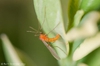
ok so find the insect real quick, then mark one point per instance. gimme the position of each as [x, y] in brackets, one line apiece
[45, 39]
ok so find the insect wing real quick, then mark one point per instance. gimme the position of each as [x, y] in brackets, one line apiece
[51, 50]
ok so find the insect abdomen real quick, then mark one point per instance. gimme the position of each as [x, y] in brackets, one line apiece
[52, 39]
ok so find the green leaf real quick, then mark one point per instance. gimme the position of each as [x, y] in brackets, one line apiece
[72, 8]
[49, 14]
[9, 51]
[77, 17]
[89, 5]
[12, 56]
[93, 59]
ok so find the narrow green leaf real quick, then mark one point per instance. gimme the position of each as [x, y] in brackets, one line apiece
[77, 17]
[89, 5]
[10, 52]
[14, 56]
[73, 6]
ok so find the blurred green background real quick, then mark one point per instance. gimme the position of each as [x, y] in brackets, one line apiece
[15, 18]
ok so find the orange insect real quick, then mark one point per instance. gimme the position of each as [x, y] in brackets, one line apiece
[45, 39]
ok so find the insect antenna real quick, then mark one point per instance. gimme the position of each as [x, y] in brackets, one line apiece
[40, 27]
[34, 31]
